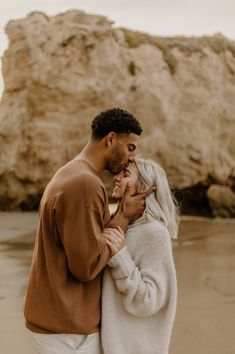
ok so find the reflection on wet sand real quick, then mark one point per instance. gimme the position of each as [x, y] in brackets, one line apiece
[205, 263]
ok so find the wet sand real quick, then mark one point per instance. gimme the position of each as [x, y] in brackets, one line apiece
[205, 264]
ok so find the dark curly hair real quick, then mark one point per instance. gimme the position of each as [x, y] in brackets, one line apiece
[114, 120]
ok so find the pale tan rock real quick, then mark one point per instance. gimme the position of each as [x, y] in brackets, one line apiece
[59, 72]
[222, 200]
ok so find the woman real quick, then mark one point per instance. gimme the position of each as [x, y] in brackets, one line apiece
[139, 286]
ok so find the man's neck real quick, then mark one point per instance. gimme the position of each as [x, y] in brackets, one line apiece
[93, 154]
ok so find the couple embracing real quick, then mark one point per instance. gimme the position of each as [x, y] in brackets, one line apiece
[102, 283]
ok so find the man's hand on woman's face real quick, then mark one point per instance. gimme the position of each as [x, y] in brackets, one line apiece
[133, 206]
[114, 237]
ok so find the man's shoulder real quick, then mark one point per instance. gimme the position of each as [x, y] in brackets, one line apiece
[77, 185]
[89, 182]
[78, 172]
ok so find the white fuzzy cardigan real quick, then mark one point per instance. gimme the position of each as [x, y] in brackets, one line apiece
[139, 293]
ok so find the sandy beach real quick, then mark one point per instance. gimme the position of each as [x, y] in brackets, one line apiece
[205, 264]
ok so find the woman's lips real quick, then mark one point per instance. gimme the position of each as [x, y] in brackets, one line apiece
[116, 188]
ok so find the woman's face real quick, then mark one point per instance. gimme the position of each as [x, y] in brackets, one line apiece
[129, 175]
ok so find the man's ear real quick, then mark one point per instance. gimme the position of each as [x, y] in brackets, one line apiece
[110, 139]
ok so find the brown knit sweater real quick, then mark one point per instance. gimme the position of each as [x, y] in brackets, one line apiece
[64, 289]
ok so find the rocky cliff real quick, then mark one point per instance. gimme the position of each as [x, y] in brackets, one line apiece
[59, 72]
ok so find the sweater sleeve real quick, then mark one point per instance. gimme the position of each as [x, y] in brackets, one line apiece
[80, 221]
[144, 288]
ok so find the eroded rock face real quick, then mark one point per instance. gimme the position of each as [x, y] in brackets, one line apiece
[222, 200]
[59, 72]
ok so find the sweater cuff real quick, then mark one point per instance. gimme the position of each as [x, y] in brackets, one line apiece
[122, 264]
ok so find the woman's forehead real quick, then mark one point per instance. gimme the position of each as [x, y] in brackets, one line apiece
[132, 169]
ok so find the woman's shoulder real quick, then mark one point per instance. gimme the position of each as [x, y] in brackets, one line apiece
[153, 233]
[155, 227]
[153, 243]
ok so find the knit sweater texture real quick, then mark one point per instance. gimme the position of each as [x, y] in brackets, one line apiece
[139, 293]
[64, 289]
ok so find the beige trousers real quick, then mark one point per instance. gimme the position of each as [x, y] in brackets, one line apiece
[66, 343]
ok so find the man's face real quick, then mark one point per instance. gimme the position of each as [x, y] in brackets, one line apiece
[122, 152]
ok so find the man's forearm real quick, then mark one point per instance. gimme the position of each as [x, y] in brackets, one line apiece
[119, 219]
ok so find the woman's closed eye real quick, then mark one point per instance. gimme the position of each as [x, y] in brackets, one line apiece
[126, 173]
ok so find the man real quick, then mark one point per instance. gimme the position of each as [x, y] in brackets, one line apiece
[62, 306]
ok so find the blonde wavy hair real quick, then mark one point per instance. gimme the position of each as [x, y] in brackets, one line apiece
[160, 205]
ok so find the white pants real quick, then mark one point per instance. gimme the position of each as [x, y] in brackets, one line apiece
[66, 343]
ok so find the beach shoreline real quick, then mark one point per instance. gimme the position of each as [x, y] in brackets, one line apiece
[205, 263]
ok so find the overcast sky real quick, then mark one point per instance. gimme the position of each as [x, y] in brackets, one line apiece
[159, 17]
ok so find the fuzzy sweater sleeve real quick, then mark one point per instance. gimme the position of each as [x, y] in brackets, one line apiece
[145, 287]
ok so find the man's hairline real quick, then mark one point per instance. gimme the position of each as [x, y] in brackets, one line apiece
[117, 133]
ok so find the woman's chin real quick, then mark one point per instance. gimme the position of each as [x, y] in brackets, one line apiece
[116, 195]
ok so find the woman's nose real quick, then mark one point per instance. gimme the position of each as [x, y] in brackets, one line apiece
[116, 178]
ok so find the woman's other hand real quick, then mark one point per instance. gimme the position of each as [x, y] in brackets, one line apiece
[114, 237]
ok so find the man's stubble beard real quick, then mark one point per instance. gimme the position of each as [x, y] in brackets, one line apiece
[115, 166]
